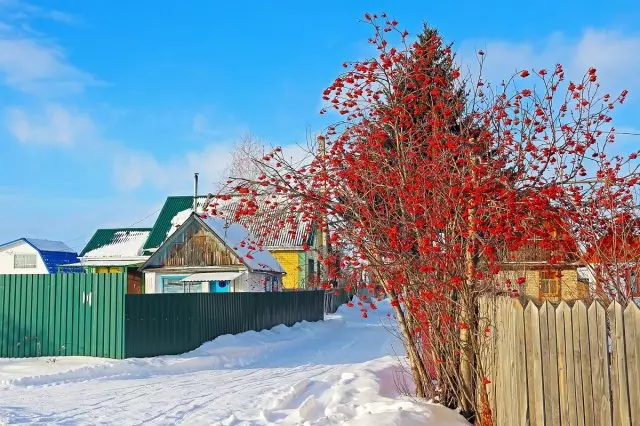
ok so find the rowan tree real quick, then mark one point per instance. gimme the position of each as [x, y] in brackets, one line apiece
[429, 182]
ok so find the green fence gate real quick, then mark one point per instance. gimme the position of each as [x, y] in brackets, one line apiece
[62, 314]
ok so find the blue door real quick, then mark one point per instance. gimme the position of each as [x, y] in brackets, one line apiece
[219, 286]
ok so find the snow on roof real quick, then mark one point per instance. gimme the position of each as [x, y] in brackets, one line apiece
[53, 253]
[110, 262]
[48, 245]
[277, 228]
[239, 239]
[181, 218]
[123, 244]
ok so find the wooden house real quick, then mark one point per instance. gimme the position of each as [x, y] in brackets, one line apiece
[211, 255]
[550, 274]
[296, 246]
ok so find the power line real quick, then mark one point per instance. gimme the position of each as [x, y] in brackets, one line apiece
[130, 226]
[145, 218]
[626, 133]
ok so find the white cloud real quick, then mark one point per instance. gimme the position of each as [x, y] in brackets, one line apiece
[138, 169]
[38, 68]
[32, 63]
[611, 52]
[66, 18]
[135, 169]
[54, 125]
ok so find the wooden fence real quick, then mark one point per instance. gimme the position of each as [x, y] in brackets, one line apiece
[563, 365]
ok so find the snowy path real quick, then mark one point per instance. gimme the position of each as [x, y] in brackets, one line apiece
[341, 371]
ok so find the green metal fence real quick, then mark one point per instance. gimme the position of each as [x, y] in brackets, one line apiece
[91, 315]
[165, 324]
[62, 314]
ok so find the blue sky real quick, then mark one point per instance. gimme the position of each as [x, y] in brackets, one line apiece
[106, 107]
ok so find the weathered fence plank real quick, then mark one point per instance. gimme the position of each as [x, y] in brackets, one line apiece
[565, 385]
[619, 384]
[549, 364]
[600, 364]
[520, 368]
[632, 344]
[581, 343]
[534, 365]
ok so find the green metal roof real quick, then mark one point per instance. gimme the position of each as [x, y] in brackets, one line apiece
[173, 206]
[103, 237]
[176, 204]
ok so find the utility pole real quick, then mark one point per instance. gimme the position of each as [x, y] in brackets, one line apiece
[322, 150]
[195, 192]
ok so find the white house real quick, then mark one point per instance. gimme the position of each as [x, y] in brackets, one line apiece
[210, 255]
[34, 256]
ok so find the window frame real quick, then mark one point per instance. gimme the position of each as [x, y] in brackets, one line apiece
[542, 280]
[25, 265]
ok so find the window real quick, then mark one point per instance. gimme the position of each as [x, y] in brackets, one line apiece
[311, 264]
[549, 283]
[24, 261]
[174, 285]
[108, 270]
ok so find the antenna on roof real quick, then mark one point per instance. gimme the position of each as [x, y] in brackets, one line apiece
[195, 192]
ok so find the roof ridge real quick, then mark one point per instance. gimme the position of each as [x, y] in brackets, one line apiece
[124, 229]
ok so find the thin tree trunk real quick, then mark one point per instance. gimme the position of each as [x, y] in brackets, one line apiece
[467, 315]
[418, 370]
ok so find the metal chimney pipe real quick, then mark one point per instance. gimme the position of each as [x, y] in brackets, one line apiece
[195, 192]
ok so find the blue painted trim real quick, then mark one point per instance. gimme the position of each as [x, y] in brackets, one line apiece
[20, 239]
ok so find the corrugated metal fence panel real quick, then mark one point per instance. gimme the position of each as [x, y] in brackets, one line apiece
[169, 324]
[62, 314]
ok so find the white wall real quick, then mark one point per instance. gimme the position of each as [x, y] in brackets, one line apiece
[247, 282]
[150, 283]
[153, 281]
[7, 259]
[254, 282]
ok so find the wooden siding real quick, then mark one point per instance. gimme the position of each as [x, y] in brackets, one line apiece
[195, 246]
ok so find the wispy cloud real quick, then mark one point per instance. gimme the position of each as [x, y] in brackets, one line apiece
[32, 63]
[20, 11]
[609, 51]
[135, 169]
[54, 125]
[38, 68]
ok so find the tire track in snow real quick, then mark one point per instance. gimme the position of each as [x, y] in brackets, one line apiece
[199, 395]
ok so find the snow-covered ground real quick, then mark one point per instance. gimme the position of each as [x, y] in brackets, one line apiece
[341, 371]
